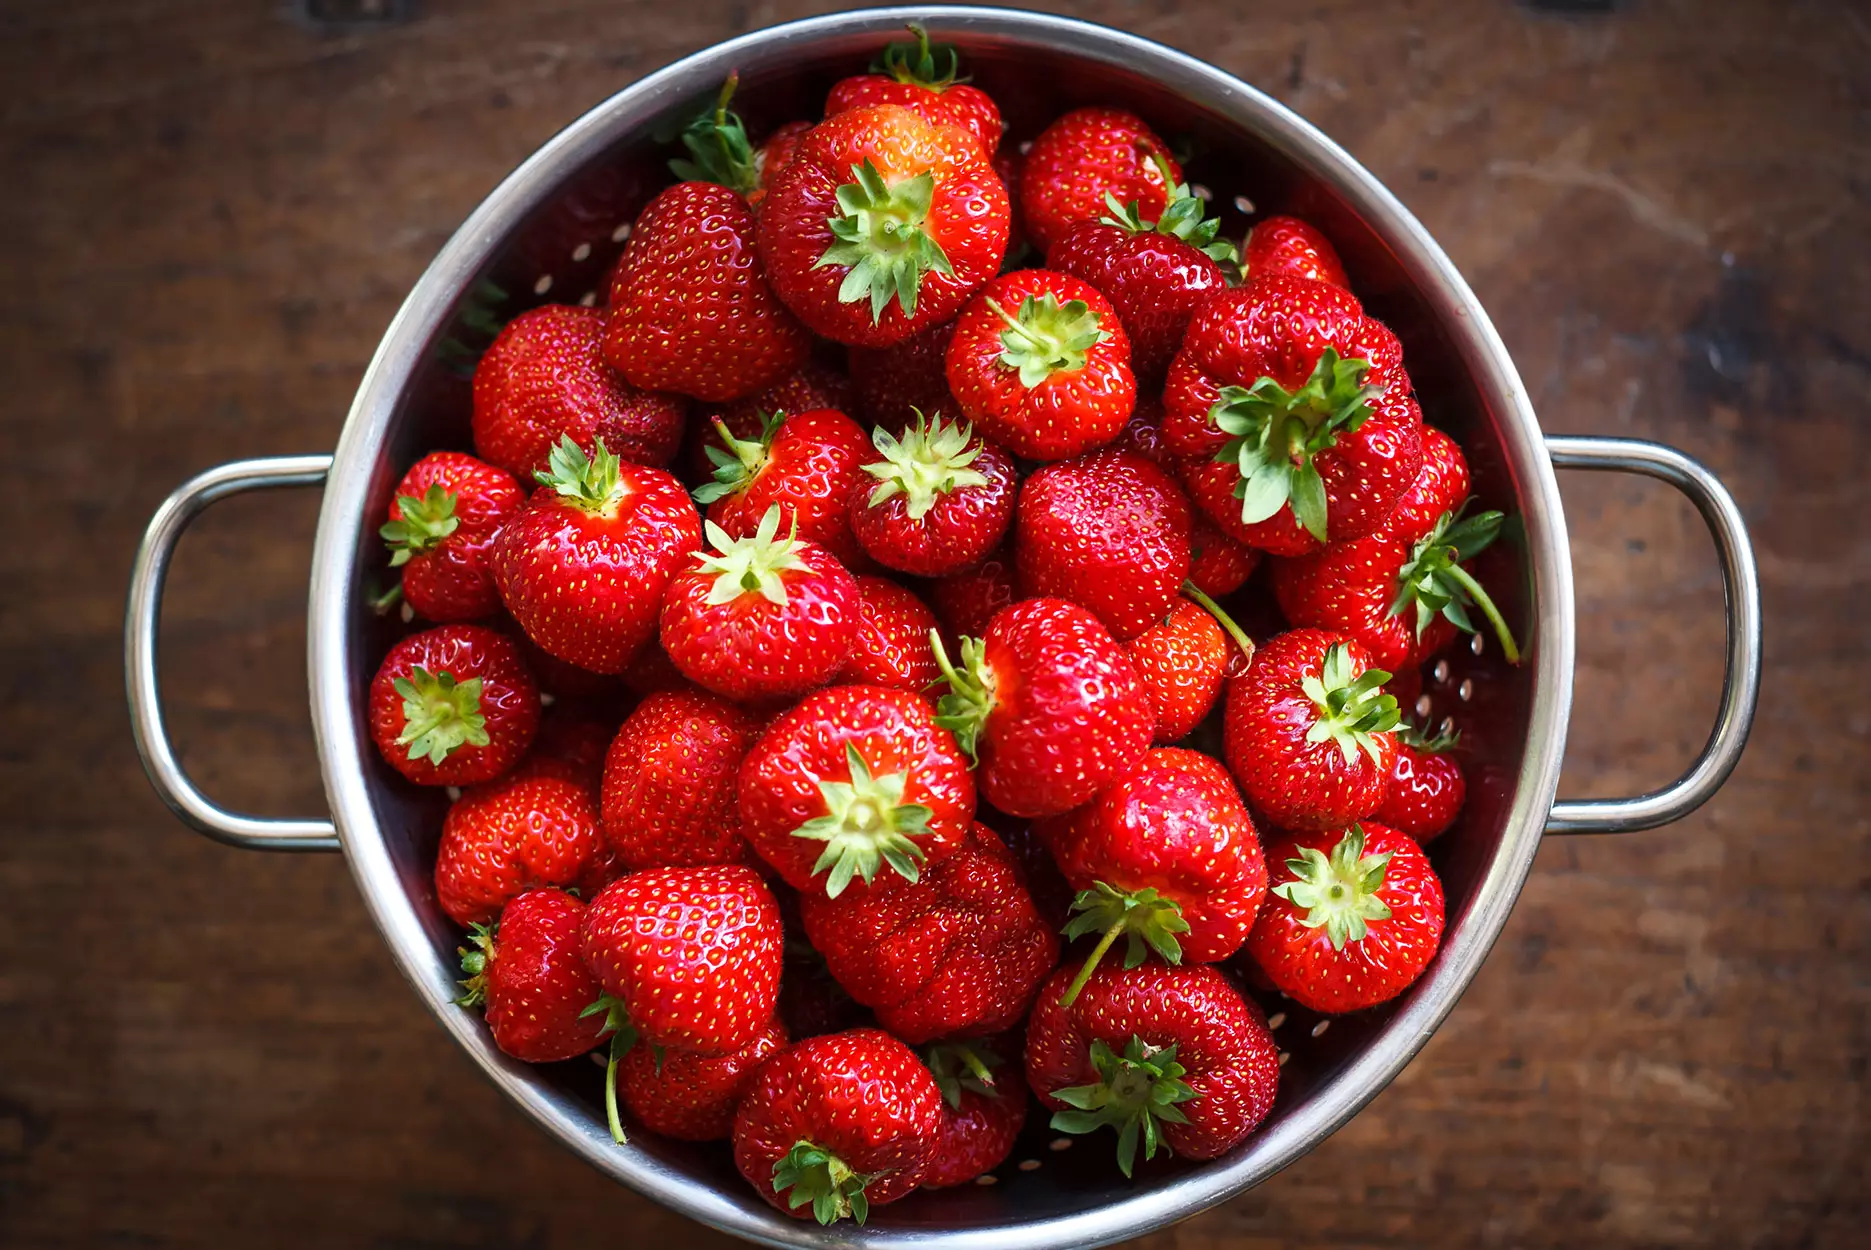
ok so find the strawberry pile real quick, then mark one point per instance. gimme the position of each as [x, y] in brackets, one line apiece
[850, 736]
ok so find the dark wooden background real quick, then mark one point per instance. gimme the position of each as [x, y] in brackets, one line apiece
[210, 211]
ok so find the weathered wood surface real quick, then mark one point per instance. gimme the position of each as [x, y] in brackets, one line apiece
[212, 210]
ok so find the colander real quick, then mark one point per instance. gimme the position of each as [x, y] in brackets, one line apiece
[551, 231]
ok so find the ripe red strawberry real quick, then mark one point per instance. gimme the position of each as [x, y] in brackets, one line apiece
[1155, 271]
[892, 646]
[1084, 156]
[583, 567]
[669, 782]
[807, 464]
[1308, 731]
[1287, 245]
[1143, 434]
[1291, 412]
[926, 79]
[837, 1124]
[983, 1110]
[1050, 706]
[1108, 531]
[528, 976]
[1008, 162]
[1181, 662]
[689, 959]
[1441, 486]
[1040, 363]
[692, 1097]
[941, 500]
[545, 378]
[896, 384]
[442, 519]
[762, 617]
[1404, 602]
[967, 601]
[1426, 789]
[1218, 565]
[537, 826]
[882, 224]
[452, 706]
[574, 739]
[1173, 1059]
[957, 952]
[851, 779]
[812, 387]
[1352, 919]
[691, 311]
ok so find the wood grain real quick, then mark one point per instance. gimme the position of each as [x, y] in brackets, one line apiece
[213, 210]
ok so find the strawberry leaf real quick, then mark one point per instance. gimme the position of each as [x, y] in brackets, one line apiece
[752, 565]
[474, 962]
[425, 523]
[593, 483]
[718, 147]
[810, 1174]
[1435, 583]
[880, 241]
[929, 461]
[1135, 1092]
[936, 66]
[440, 716]
[866, 825]
[1352, 711]
[958, 1066]
[965, 709]
[1148, 922]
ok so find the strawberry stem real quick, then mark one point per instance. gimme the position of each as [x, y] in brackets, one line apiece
[1148, 919]
[623, 1037]
[1485, 602]
[965, 709]
[718, 147]
[1222, 619]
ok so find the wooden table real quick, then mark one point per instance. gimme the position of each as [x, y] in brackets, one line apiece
[213, 209]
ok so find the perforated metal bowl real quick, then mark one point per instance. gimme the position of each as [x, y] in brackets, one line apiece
[551, 232]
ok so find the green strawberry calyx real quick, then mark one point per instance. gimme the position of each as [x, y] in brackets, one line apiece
[815, 1175]
[475, 958]
[1339, 892]
[1184, 217]
[737, 461]
[970, 700]
[425, 523]
[1047, 337]
[752, 565]
[1352, 710]
[929, 461]
[719, 150]
[440, 715]
[1149, 921]
[1136, 1093]
[623, 1035]
[1434, 581]
[594, 483]
[936, 66]
[958, 1066]
[881, 242]
[1274, 433]
[865, 826]
[1421, 740]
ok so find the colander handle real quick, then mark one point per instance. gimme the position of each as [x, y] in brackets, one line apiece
[1741, 589]
[141, 619]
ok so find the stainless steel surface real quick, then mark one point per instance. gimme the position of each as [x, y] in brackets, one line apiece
[143, 616]
[552, 228]
[1741, 682]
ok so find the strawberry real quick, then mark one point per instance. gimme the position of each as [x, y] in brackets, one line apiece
[836, 1125]
[1008, 162]
[669, 778]
[1308, 731]
[806, 464]
[957, 952]
[1173, 1059]
[1143, 434]
[1108, 531]
[983, 1110]
[561, 680]
[1441, 486]
[892, 646]
[1080, 159]
[1041, 365]
[442, 519]
[776, 154]
[652, 672]
[897, 384]
[926, 79]
[851, 779]
[882, 224]
[691, 311]
[452, 706]
[1218, 565]
[762, 617]
[1291, 413]
[1403, 602]
[688, 958]
[584, 565]
[1156, 272]
[942, 498]
[1426, 789]
[527, 975]
[812, 387]
[1353, 917]
[545, 378]
[1049, 705]
[575, 740]
[967, 601]
[1287, 245]
[692, 1097]
[535, 827]
[1181, 662]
